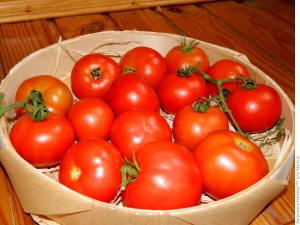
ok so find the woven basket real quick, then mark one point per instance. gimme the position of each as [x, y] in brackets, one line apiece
[48, 201]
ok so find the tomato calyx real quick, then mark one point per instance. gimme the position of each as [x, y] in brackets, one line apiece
[95, 73]
[129, 172]
[34, 106]
[202, 105]
[187, 47]
[188, 71]
[247, 83]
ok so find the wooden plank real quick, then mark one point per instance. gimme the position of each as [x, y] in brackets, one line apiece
[22, 10]
[70, 27]
[5, 205]
[11, 211]
[281, 45]
[144, 20]
[281, 9]
[203, 25]
[32, 36]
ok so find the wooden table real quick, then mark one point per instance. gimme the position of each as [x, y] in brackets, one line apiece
[263, 30]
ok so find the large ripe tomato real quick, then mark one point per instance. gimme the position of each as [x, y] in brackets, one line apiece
[229, 163]
[42, 143]
[190, 125]
[223, 69]
[132, 91]
[176, 92]
[187, 54]
[147, 62]
[91, 118]
[92, 76]
[134, 128]
[56, 94]
[255, 110]
[92, 167]
[168, 178]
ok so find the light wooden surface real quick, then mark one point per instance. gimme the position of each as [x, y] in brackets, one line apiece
[263, 30]
[20, 10]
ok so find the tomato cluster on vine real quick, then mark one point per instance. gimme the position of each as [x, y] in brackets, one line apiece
[157, 130]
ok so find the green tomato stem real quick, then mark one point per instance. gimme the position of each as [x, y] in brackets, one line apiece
[221, 98]
[34, 102]
[187, 47]
[129, 172]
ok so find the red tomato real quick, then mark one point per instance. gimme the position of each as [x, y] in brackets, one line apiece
[134, 128]
[92, 167]
[176, 92]
[190, 126]
[91, 118]
[56, 94]
[255, 110]
[187, 55]
[168, 178]
[229, 163]
[42, 143]
[147, 62]
[223, 69]
[92, 76]
[132, 91]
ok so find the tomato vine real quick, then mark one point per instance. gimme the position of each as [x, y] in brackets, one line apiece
[245, 83]
[34, 106]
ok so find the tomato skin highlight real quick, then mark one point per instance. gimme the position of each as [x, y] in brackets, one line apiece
[169, 178]
[42, 143]
[92, 167]
[147, 62]
[132, 91]
[134, 128]
[56, 94]
[255, 110]
[91, 118]
[223, 69]
[190, 126]
[225, 166]
[84, 84]
[176, 92]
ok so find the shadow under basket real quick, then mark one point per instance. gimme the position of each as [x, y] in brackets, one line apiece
[49, 202]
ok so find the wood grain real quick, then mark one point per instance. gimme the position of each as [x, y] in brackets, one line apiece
[144, 20]
[11, 212]
[18, 40]
[22, 10]
[79, 25]
[259, 29]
